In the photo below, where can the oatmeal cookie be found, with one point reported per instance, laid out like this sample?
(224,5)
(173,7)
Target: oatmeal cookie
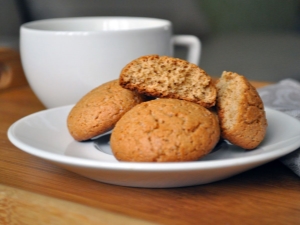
(100,109)
(167,77)
(165,130)
(241,111)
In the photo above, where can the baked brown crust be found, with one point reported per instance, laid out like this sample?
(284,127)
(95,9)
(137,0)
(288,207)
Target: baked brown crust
(167,77)
(100,109)
(241,111)
(165,130)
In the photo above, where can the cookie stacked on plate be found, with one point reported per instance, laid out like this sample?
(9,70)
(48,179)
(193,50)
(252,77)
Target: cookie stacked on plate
(165,109)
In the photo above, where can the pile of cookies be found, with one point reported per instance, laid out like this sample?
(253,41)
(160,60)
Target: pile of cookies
(165,109)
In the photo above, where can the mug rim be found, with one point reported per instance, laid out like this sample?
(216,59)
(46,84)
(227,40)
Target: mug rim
(56,24)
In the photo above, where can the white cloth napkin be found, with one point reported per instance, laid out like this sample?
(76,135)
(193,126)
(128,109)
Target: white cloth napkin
(284,96)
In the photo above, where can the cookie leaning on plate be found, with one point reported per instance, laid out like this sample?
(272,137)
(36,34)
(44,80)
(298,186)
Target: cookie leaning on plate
(165,130)
(241,111)
(167,77)
(100,109)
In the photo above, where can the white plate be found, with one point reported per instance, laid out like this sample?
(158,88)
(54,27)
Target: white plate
(45,135)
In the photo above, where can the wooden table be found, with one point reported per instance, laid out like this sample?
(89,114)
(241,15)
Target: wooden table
(34,191)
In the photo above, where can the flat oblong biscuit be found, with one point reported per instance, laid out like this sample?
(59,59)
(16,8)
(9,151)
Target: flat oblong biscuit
(165,130)
(241,111)
(100,109)
(167,77)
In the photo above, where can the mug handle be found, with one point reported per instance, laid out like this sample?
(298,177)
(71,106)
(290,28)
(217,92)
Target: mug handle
(193,45)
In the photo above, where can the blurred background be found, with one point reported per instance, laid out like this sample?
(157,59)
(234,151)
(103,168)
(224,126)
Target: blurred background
(259,39)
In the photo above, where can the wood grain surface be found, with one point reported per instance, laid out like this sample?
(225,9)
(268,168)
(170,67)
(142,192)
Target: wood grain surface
(34,191)
(23,207)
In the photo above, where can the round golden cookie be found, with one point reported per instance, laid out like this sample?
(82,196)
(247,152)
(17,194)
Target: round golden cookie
(241,111)
(100,109)
(165,130)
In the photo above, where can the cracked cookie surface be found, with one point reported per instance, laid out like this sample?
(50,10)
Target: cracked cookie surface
(241,111)
(165,130)
(100,109)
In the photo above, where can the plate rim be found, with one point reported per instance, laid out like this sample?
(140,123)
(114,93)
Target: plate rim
(148,166)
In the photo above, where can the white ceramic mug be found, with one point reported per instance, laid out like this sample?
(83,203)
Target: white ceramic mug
(65,58)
